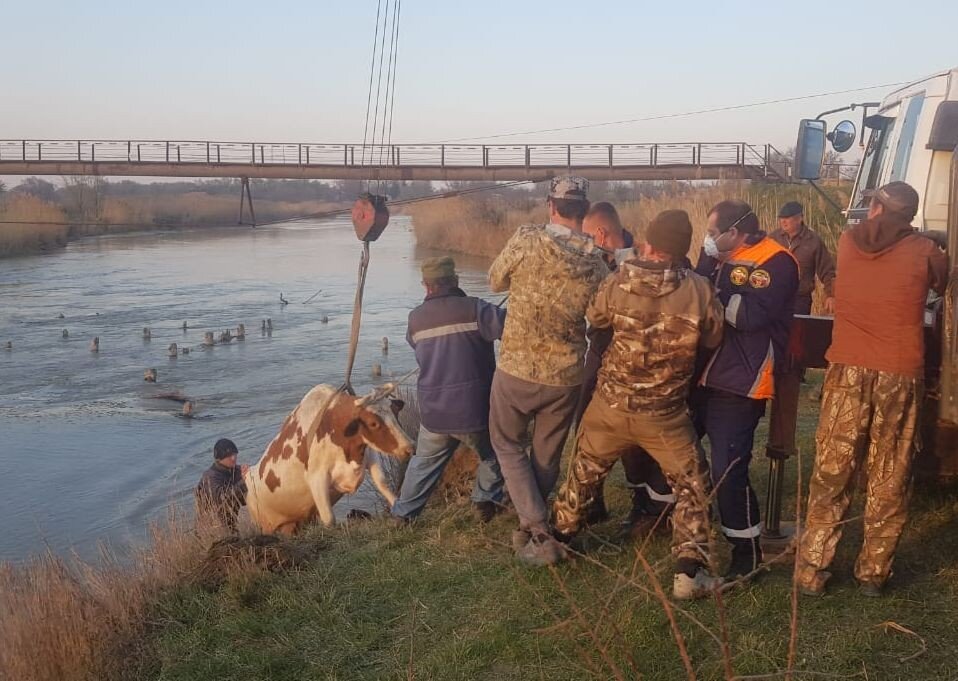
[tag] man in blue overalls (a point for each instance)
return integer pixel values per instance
(756, 280)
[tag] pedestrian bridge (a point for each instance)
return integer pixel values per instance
(490, 162)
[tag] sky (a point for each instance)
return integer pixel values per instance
(299, 71)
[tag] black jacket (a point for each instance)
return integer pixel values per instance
(220, 493)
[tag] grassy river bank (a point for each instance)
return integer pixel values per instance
(443, 599)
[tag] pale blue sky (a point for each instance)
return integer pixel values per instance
(298, 71)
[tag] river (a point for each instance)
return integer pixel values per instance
(87, 453)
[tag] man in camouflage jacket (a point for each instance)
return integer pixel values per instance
(551, 272)
(661, 314)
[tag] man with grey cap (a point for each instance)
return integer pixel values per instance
(452, 335)
(814, 260)
(873, 388)
(551, 272)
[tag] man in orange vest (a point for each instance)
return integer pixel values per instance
(756, 280)
(873, 388)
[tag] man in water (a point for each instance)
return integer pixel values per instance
(552, 272)
(452, 335)
(221, 490)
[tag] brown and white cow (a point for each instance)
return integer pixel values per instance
(319, 455)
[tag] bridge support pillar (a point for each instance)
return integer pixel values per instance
(246, 196)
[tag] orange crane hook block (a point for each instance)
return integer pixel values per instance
(370, 216)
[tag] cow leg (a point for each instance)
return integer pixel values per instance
(319, 486)
(379, 480)
(287, 529)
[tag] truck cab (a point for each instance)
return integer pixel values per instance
(912, 136)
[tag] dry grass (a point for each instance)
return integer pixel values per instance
(114, 215)
(73, 620)
(31, 236)
(481, 226)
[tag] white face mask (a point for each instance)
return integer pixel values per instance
(710, 247)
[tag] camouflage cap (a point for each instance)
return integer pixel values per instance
(898, 197)
(438, 268)
(569, 187)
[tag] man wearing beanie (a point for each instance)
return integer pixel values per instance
(221, 490)
(660, 313)
(452, 335)
(551, 272)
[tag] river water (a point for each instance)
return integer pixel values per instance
(87, 452)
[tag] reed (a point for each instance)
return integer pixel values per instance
(480, 225)
(31, 236)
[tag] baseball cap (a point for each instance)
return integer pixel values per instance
(224, 448)
(438, 268)
(898, 197)
(790, 209)
(569, 187)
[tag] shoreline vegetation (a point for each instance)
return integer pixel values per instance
(41, 216)
(444, 599)
(482, 223)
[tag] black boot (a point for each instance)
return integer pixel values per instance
(746, 558)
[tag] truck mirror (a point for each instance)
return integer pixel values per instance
(843, 136)
(810, 149)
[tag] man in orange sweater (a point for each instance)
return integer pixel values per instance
(873, 388)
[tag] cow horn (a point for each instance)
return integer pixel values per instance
(384, 390)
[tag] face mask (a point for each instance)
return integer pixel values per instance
(710, 247)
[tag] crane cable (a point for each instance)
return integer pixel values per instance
(387, 109)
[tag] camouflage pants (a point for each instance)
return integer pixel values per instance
(604, 435)
(868, 418)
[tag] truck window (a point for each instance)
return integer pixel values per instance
(906, 139)
(876, 154)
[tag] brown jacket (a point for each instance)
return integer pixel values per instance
(660, 317)
(885, 269)
(814, 260)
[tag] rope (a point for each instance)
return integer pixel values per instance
(357, 319)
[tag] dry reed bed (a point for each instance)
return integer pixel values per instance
(48, 226)
(480, 225)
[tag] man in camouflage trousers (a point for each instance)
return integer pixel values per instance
(873, 388)
(551, 272)
(661, 313)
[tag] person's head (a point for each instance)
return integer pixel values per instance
(603, 225)
(790, 217)
(225, 452)
(668, 237)
(439, 275)
(895, 199)
(568, 202)
(730, 222)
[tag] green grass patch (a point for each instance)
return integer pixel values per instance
(444, 599)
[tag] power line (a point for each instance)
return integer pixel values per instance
(659, 117)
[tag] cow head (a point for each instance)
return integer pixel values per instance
(376, 423)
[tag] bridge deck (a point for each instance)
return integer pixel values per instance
(384, 162)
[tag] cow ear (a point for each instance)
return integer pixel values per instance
(396, 406)
(352, 428)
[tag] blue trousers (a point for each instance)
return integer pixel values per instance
(433, 452)
(730, 421)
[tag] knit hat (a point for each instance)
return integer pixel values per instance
(224, 448)
(670, 232)
(438, 268)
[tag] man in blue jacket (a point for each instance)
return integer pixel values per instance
(452, 335)
(756, 280)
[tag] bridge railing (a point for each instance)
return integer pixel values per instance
(396, 155)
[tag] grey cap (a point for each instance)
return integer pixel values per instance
(569, 187)
(898, 197)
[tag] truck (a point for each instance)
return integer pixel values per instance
(911, 136)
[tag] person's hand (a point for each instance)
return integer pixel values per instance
(830, 305)
(244, 468)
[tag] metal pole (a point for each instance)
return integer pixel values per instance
(262, 158)
(39, 151)
(307, 154)
(138, 155)
(79, 153)
(568, 156)
(129, 149)
(299, 148)
(178, 158)
(167, 152)
(442, 155)
(24, 149)
(207, 152)
(610, 155)
(217, 153)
